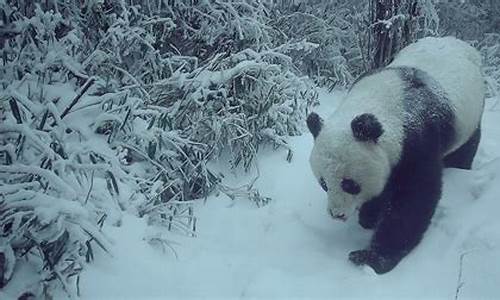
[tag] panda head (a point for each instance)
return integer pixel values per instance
(348, 162)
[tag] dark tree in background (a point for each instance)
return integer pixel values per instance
(393, 24)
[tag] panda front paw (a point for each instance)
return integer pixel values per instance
(371, 258)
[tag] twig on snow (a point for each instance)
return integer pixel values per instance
(460, 283)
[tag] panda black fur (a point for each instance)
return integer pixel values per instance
(384, 148)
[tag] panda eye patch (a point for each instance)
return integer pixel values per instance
(323, 184)
(350, 186)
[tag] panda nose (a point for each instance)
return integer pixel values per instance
(340, 216)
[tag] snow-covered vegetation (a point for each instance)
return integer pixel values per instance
(113, 108)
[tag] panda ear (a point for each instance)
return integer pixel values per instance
(366, 127)
(314, 123)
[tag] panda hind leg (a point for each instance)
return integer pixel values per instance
(462, 157)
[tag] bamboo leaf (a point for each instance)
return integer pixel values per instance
(15, 111)
(112, 179)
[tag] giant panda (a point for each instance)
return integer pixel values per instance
(382, 151)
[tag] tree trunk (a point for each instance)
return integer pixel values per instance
(392, 28)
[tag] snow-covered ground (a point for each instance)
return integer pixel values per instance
(291, 248)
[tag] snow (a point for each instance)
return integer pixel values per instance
(291, 248)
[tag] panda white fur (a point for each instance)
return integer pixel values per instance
(383, 150)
